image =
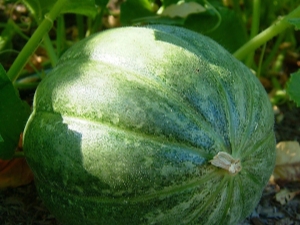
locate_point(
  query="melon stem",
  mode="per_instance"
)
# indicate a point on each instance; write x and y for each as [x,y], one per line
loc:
[227,162]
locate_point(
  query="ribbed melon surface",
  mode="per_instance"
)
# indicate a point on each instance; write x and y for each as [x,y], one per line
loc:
[124,128]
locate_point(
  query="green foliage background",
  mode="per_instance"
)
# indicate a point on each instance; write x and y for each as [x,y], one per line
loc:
[252,30]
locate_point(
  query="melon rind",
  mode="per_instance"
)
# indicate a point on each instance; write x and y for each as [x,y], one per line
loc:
[123,129]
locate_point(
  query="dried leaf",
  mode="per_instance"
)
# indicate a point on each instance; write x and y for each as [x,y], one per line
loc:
[183,9]
[14,173]
[284,196]
[287,166]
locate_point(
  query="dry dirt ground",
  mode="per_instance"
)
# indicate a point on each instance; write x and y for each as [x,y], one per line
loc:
[22,205]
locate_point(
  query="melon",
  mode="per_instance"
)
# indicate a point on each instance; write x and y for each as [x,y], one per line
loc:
[150,125]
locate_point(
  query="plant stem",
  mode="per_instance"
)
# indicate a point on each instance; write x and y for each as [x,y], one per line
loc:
[258,72]
[35,40]
[50,50]
[80,26]
[98,21]
[60,35]
[266,35]
[254,28]
[271,55]
[18,155]
[28,86]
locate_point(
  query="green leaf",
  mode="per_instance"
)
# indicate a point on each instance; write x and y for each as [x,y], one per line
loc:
[293,87]
[160,20]
[6,40]
[40,7]
[295,22]
[169,2]
[13,116]
[206,22]
[86,7]
[101,3]
[133,10]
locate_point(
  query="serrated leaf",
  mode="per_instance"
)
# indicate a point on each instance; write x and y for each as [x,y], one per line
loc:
[182,9]
[13,116]
[295,22]
[40,7]
[293,89]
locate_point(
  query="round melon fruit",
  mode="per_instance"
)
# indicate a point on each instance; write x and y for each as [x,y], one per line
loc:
[150,125]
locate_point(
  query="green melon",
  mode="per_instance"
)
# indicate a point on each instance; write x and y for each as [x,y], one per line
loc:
[150,125]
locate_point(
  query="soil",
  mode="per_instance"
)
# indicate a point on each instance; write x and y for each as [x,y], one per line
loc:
[22,205]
